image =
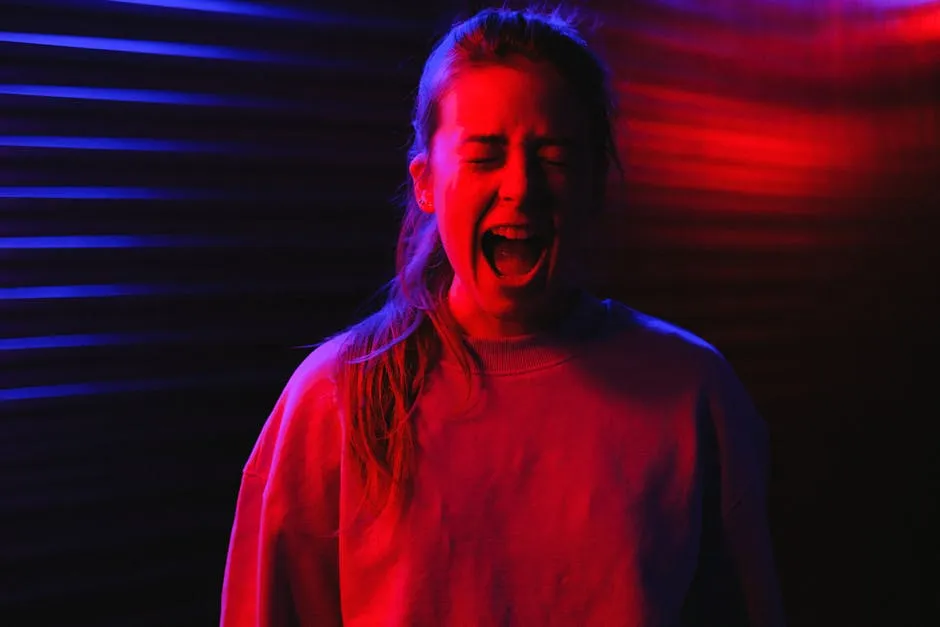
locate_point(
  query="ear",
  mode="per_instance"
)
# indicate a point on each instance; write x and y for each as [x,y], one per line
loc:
[420,182]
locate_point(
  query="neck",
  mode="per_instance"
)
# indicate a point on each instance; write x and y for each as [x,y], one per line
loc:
[478,324]
[574,326]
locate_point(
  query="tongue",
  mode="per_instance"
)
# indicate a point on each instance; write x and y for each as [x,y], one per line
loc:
[515,257]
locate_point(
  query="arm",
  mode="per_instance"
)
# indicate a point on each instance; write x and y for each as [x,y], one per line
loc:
[736,581]
[283,560]
[255,592]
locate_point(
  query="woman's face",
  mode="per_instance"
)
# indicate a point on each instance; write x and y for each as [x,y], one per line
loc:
[511,180]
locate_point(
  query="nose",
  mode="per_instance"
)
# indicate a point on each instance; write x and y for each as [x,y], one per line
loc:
[523,179]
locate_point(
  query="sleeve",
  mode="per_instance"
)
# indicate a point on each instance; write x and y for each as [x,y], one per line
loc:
[282,568]
[736,580]
[254,593]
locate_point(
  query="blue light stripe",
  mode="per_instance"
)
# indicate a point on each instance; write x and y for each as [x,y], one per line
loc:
[108,193]
[110,387]
[46,292]
[81,340]
[233,7]
[114,241]
[117,143]
[139,46]
[113,290]
[150,96]
[254,9]
[66,390]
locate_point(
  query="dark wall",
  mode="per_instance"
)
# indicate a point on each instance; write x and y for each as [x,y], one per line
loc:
[781,200]
[176,221]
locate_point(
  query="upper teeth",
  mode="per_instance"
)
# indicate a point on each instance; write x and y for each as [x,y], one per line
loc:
[514,232]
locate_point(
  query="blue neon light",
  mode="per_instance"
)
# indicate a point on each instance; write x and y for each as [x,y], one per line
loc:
[116,143]
[82,340]
[46,292]
[85,389]
[53,292]
[108,193]
[57,391]
[135,95]
[138,46]
[254,9]
[139,385]
[112,241]
[233,7]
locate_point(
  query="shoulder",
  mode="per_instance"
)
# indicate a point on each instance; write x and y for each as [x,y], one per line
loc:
[658,342]
[316,374]
[305,417]
[668,357]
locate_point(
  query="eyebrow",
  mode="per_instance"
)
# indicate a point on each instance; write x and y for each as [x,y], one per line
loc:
[489,140]
[499,140]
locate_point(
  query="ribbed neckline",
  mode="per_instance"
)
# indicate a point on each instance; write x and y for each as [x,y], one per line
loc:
[504,356]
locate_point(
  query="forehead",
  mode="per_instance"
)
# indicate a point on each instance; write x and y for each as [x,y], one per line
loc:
[522,99]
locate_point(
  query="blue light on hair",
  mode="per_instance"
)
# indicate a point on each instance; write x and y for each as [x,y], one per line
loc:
[150,96]
[138,46]
[268,11]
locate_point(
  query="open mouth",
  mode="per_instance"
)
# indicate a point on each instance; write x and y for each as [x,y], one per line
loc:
[514,252]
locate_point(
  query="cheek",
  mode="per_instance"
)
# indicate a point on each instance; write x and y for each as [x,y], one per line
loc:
[462,186]
[460,203]
[463,201]
[576,193]
[575,181]
[576,204]
[568,202]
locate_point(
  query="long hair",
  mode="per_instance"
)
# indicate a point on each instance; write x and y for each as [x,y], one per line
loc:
[387,357]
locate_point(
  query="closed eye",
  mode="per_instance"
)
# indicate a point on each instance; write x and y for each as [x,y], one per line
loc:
[555,156]
[484,163]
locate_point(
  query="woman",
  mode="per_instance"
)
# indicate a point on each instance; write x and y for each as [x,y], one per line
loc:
[496,446]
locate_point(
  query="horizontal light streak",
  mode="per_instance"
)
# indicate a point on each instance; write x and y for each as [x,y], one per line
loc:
[85,340]
[147,96]
[232,287]
[251,9]
[47,292]
[94,388]
[115,241]
[131,144]
[267,11]
[140,46]
[109,193]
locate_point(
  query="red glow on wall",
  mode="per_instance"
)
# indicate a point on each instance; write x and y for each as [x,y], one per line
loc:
[830,109]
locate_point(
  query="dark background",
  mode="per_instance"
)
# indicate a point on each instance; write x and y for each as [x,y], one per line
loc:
[174,223]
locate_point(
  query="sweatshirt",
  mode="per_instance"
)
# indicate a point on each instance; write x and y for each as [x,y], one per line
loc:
[609,472]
